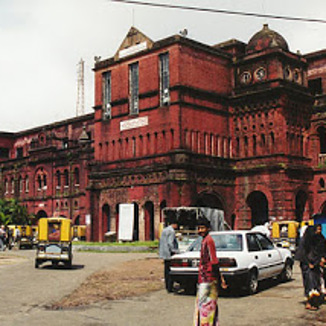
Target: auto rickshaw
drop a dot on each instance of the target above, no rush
(25, 239)
(285, 234)
(54, 241)
(79, 232)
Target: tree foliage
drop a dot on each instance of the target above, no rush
(11, 212)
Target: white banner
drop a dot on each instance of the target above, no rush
(126, 222)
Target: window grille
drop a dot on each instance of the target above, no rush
(164, 79)
(134, 88)
(107, 95)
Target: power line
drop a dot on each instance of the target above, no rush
(221, 11)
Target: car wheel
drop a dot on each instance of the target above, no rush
(36, 264)
(252, 282)
(169, 285)
(286, 274)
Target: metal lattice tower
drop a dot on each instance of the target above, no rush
(80, 106)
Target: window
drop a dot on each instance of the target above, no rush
(164, 79)
(106, 95)
(39, 181)
(19, 152)
(4, 152)
(6, 186)
(315, 86)
(66, 178)
(12, 185)
(26, 184)
(252, 243)
(58, 179)
(20, 184)
(76, 176)
(134, 88)
(45, 183)
(265, 243)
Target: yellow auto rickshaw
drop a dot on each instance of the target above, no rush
(25, 239)
(54, 241)
(285, 234)
(79, 232)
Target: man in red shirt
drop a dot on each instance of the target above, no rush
(209, 276)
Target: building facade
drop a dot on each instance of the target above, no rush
(234, 126)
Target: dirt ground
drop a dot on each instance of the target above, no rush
(27, 293)
(128, 279)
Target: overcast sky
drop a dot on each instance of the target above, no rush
(42, 41)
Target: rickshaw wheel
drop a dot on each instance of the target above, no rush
(68, 263)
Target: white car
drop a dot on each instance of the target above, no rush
(245, 258)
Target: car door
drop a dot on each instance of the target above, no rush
(257, 255)
(271, 256)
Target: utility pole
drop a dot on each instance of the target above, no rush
(80, 106)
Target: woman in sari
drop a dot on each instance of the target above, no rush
(310, 256)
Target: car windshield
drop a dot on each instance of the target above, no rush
(223, 242)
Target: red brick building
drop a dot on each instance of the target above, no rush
(236, 126)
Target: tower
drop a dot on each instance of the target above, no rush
(80, 106)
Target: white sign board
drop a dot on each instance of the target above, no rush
(133, 49)
(134, 123)
(126, 222)
(88, 219)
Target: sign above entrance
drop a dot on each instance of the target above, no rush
(134, 123)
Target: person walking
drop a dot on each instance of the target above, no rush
(209, 277)
(310, 257)
(167, 247)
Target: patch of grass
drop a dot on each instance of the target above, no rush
(128, 279)
(118, 244)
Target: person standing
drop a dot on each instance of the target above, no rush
(167, 247)
(209, 277)
(311, 261)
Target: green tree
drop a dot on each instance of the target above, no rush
(11, 212)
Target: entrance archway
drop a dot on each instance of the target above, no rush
(209, 200)
(149, 221)
(300, 203)
(41, 214)
(106, 218)
(258, 204)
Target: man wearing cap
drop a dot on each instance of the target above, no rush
(206, 312)
(168, 246)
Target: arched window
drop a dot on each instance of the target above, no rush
(45, 182)
(246, 145)
(254, 145)
(322, 183)
(6, 186)
(76, 176)
(322, 139)
(27, 184)
(20, 184)
(12, 185)
(58, 179)
(39, 181)
(66, 178)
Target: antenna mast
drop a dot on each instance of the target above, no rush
(80, 106)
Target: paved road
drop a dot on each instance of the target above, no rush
(26, 291)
